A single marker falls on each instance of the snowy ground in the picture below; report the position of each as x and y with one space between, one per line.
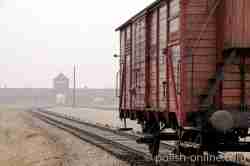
26 141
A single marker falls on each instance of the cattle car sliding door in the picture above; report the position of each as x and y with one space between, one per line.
174 55
163 27
157 77
164 69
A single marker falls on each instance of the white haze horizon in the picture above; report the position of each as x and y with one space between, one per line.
42 38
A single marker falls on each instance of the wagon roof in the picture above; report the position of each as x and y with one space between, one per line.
141 13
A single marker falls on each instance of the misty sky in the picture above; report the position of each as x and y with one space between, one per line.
41 38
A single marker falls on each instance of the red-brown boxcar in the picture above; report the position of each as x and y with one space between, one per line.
187 63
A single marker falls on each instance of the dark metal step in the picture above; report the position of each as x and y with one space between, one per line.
204 108
203 96
230 49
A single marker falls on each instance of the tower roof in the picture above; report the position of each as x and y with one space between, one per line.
61 77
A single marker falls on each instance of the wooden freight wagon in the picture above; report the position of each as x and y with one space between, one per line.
186 63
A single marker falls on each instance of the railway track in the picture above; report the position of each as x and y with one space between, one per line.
121 145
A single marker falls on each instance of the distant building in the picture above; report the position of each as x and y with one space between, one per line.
60 99
61 83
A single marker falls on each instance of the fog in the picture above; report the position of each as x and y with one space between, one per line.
41 38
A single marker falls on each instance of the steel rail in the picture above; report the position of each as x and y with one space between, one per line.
114 147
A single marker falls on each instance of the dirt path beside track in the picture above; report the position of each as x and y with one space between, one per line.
26 141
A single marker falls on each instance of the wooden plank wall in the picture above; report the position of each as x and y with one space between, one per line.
236 23
200 50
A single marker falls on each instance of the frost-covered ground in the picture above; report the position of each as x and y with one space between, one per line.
26 141
23 145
